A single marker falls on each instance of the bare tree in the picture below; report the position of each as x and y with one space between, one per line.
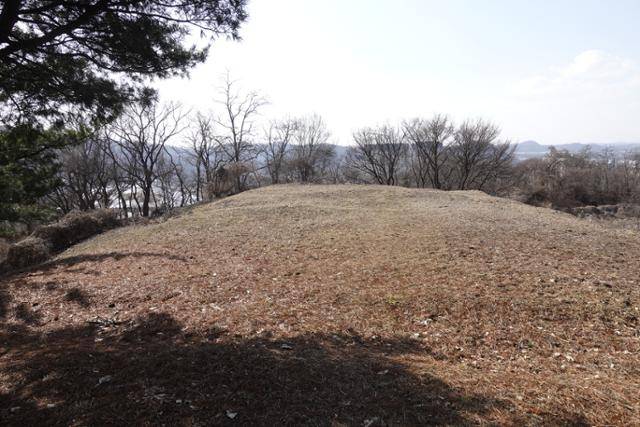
166 186
84 171
477 156
206 155
85 174
278 137
311 153
324 163
630 167
173 180
429 140
138 140
240 110
335 170
607 163
379 153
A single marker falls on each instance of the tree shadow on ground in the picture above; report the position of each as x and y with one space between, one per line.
78 259
150 371
5 302
47 266
78 296
25 313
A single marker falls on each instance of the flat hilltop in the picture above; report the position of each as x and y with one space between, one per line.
331 305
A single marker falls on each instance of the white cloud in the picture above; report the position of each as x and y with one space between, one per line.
592 73
594 97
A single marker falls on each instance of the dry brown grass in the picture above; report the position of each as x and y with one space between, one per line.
331 305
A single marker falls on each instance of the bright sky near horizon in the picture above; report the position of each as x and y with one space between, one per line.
552 71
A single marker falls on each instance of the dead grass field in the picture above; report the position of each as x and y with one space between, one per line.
331 305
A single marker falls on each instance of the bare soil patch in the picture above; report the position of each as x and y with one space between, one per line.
331 305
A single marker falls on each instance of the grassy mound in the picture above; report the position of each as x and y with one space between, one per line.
321 305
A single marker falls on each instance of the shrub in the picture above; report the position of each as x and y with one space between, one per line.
29 251
47 239
74 227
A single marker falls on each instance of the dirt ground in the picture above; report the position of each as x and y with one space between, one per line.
331 305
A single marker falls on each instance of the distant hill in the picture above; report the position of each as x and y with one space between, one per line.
183 154
524 150
531 149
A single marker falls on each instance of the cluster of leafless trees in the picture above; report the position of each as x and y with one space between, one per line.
156 157
432 153
125 163
141 164
564 180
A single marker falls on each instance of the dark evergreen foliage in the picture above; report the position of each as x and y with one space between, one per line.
61 58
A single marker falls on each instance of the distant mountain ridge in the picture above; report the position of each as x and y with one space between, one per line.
531 149
524 150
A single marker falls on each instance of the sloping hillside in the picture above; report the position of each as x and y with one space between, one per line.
331 305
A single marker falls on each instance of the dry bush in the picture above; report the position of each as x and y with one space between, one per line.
629 211
76 226
71 229
567 180
224 179
29 251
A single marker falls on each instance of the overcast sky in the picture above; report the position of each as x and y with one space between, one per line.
553 71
